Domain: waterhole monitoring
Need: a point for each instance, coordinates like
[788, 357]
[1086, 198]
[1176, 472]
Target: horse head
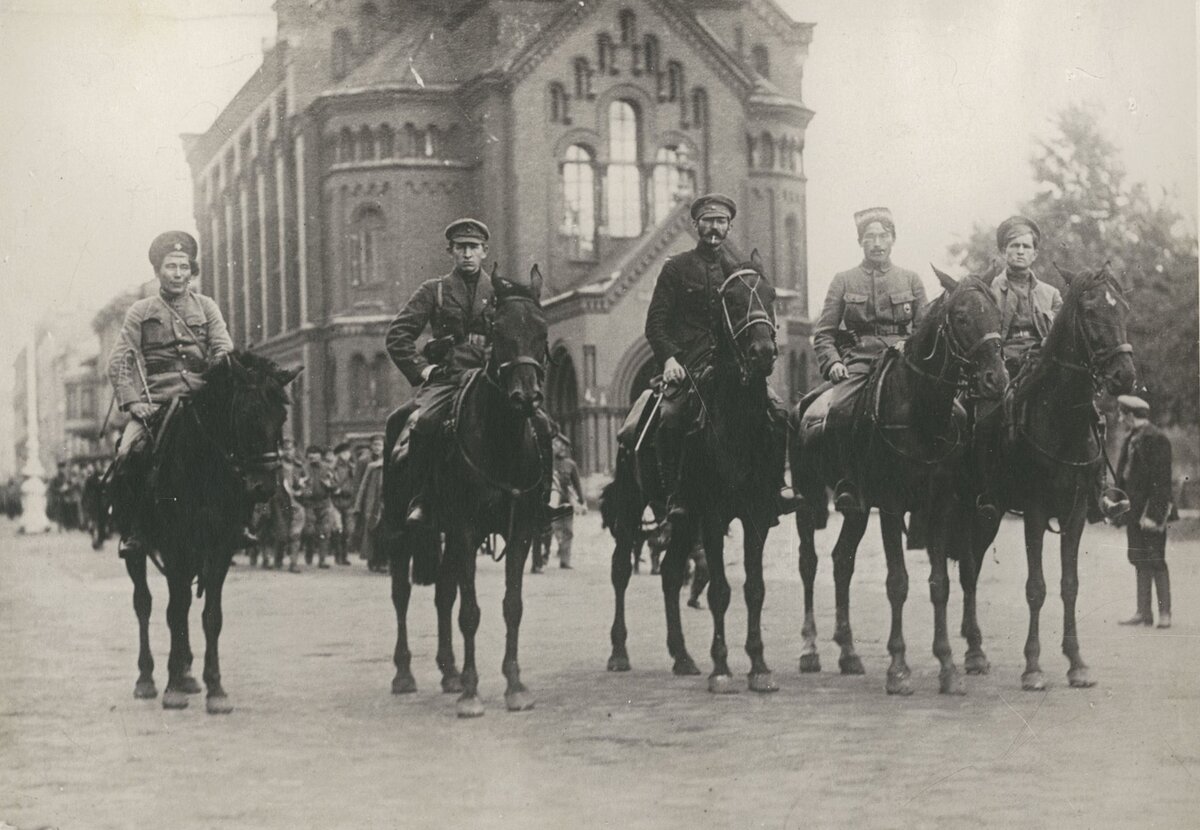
[518, 341]
[242, 409]
[748, 318]
[968, 322]
[1091, 330]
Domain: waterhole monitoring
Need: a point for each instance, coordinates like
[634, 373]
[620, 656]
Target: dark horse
[902, 433]
[1048, 452]
[95, 508]
[216, 456]
[490, 481]
[731, 471]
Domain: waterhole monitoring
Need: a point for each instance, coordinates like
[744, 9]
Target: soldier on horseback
[680, 327]
[457, 307]
[166, 343]
[867, 310]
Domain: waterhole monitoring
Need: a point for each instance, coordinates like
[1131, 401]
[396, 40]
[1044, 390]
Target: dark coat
[463, 317]
[1144, 473]
[684, 308]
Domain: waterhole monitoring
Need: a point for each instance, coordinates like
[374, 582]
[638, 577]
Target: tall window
[583, 79]
[368, 27]
[761, 59]
[579, 201]
[381, 391]
[341, 54]
[560, 112]
[791, 234]
[628, 23]
[366, 144]
[387, 141]
[606, 53]
[650, 54]
[346, 145]
[674, 81]
[674, 181]
[360, 384]
[767, 151]
[363, 241]
[624, 179]
[699, 107]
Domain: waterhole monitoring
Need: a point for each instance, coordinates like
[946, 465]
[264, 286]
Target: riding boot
[786, 499]
[420, 469]
[1143, 615]
[1162, 585]
[846, 498]
[670, 464]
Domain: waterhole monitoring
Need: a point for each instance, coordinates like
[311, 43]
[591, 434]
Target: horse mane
[220, 379]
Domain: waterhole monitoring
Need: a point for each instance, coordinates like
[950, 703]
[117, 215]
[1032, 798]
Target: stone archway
[562, 393]
[641, 378]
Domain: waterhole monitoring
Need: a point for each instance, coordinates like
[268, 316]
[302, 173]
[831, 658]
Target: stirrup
[986, 510]
[131, 545]
[845, 498]
[417, 513]
[787, 501]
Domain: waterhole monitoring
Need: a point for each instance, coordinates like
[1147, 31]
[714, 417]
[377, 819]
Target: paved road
[318, 741]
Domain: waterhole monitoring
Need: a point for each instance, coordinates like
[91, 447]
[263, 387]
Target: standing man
[568, 491]
[368, 509]
[867, 310]
[166, 343]
[1144, 473]
[680, 327]
[316, 495]
[343, 501]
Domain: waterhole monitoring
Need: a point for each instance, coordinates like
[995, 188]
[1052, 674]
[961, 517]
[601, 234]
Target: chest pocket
[855, 311]
[903, 307]
[199, 329]
[155, 332]
[693, 304]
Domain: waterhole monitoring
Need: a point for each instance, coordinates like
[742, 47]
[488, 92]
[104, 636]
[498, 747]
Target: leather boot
[845, 498]
[1162, 585]
[1143, 615]
[419, 473]
[786, 499]
[670, 459]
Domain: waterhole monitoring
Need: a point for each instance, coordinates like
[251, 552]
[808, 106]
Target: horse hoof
[469, 707]
[1080, 678]
[218, 705]
[403, 685]
[145, 690]
[618, 662]
[521, 701]
[851, 665]
[977, 664]
[685, 666]
[452, 684]
[1033, 681]
[188, 685]
[899, 684]
[763, 682]
[721, 684]
[810, 663]
[951, 683]
[174, 699]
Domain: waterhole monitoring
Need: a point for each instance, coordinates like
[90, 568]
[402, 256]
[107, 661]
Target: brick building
[577, 129]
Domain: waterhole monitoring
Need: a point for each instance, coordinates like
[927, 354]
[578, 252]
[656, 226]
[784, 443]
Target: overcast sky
[926, 107]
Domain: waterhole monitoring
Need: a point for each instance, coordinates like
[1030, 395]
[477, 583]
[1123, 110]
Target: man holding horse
[867, 310]
[680, 327]
[166, 343]
[457, 307]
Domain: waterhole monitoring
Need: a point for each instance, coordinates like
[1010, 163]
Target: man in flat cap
[1144, 473]
[867, 309]
[166, 343]
[679, 326]
[458, 309]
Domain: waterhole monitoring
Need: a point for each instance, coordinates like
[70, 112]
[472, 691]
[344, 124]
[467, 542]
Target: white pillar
[281, 207]
[33, 488]
[301, 225]
[261, 191]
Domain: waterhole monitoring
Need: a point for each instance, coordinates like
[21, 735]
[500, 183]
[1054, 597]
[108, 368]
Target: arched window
[766, 155]
[674, 181]
[699, 107]
[650, 54]
[624, 178]
[761, 59]
[366, 144]
[579, 202]
[791, 254]
[414, 141]
[341, 54]
[674, 81]
[364, 238]
[346, 145]
[559, 104]
[368, 27]
[606, 53]
[381, 386]
[583, 79]
[628, 24]
[360, 384]
[387, 141]
[433, 141]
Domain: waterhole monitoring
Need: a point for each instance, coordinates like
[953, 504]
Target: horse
[1049, 451]
[215, 456]
[731, 471]
[902, 433]
[95, 508]
[490, 481]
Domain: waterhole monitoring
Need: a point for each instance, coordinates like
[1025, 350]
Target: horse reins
[757, 314]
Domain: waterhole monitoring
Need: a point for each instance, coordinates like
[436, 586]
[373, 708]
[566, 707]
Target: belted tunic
[1027, 310]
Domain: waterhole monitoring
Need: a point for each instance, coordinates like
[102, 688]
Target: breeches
[135, 432]
[1146, 550]
[434, 403]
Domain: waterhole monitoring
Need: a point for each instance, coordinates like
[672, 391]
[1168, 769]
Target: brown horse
[1047, 447]
[490, 481]
[905, 432]
[731, 471]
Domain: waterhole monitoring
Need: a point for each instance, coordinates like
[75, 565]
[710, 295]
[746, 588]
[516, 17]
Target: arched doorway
[562, 394]
[641, 379]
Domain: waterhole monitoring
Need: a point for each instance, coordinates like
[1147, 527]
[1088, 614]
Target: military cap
[713, 204]
[467, 229]
[1015, 226]
[882, 215]
[172, 242]
[1134, 404]
[342, 447]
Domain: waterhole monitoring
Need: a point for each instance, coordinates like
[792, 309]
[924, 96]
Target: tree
[1090, 214]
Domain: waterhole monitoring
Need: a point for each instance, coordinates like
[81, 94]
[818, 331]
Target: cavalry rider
[167, 341]
[679, 326]
[1027, 305]
[458, 308]
[867, 309]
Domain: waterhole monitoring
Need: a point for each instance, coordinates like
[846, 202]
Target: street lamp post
[33, 488]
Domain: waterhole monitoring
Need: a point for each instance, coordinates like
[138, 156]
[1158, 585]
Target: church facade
[577, 130]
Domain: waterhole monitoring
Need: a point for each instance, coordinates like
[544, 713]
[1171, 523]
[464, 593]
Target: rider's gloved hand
[673, 371]
[838, 373]
[141, 410]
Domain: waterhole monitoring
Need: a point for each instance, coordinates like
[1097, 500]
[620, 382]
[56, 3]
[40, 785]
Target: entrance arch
[562, 393]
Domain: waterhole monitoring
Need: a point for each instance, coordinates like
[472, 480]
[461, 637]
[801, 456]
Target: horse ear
[756, 259]
[948, 282]
[285, 376]
[535, 282]
[1067, 276]
[498, 284]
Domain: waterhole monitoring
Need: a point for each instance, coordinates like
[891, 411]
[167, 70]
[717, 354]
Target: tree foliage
[1089, 214]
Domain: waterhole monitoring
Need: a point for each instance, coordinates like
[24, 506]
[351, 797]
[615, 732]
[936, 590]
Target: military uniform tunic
[1027, 310]
[680, 320]
[871, 308]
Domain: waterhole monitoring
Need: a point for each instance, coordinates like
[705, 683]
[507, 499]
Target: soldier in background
[315, 494]
[368, 509]
[342, 468]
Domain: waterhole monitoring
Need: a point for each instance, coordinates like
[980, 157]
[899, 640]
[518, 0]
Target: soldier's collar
[872, 268]
[708, 254]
